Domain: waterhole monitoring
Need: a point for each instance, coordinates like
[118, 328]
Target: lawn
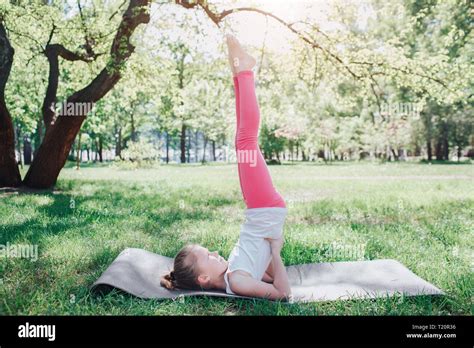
[420, 214]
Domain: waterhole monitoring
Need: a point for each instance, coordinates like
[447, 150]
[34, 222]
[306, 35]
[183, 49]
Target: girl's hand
[276, 244]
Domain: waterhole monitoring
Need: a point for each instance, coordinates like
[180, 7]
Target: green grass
[419, 214]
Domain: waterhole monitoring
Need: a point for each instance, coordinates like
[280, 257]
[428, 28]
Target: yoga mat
[138, 272]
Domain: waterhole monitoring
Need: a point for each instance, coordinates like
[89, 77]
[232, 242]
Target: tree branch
[121, 49]
[404, 71]
[63, 52]
[218, 17]
[53, 52]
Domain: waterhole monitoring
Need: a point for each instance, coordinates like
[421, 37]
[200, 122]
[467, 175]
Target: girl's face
[210, 266]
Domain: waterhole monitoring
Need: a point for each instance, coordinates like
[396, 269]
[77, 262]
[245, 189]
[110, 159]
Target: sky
[253, 28]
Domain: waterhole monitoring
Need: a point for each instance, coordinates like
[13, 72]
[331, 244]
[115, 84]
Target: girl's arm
[280, 278]
[279, 290]
[268, 276]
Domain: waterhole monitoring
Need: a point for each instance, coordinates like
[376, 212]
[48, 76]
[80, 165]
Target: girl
[255, 267]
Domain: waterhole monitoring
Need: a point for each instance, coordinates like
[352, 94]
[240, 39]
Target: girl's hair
[184, 274]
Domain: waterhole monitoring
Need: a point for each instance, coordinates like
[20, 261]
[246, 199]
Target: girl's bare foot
[239, 59]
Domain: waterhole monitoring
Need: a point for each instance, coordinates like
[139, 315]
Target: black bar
[137, 330]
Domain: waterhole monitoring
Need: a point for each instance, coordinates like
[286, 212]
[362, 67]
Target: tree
[61, 131]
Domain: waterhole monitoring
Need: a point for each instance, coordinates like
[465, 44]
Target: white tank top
[252, 253]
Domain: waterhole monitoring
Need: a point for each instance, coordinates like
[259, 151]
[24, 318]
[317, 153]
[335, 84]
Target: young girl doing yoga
[254, 267]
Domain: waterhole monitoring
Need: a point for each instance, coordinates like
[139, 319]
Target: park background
[367, 122]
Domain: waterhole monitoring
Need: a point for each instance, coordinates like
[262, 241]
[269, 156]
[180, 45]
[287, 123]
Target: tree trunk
[96, 150]
[445, 145]
[27, 150]
[429, 150]
[9, 172]
[214, 150]
[395, 154]
[133, 136]
[18, 142]
[196, 141]
[183, 143]
[118, 144]
[167, 147]
[100, 149]
[429, 133]
[79, 151]
[438, 150]
[188, 150]
[52, 154]
[204, 150]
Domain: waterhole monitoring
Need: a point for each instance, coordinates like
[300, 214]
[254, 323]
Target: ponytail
[168, 281]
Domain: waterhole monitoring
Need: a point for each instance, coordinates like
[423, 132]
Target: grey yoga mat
[138, 272]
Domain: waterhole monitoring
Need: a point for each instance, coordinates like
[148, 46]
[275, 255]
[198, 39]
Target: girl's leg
[255, 180]
[237, 112]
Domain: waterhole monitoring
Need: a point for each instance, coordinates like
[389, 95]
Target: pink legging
[255, 180]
